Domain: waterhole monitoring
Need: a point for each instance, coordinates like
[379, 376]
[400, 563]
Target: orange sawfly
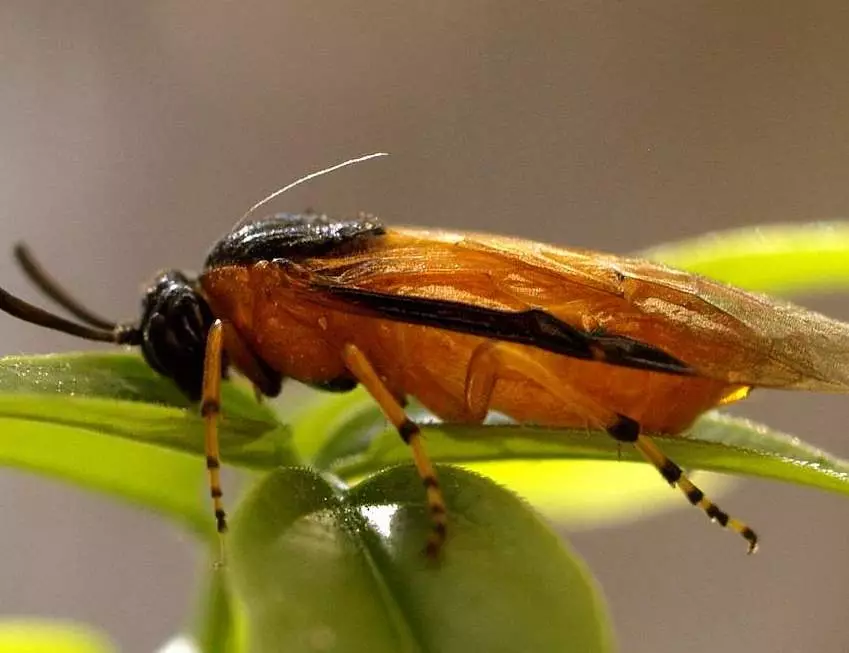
[464, 323]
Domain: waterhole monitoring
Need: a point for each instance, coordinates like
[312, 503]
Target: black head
[172, 331]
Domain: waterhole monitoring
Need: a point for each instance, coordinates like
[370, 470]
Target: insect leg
[210, 409]
[627, 430]
[409, 431]
[494, 360]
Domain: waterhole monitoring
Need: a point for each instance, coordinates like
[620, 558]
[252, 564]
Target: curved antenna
[50, 287]
[34, 315]
[312, 175]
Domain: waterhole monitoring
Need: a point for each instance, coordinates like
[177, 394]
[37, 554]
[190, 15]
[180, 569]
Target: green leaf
[588, 494]
[42, 636]
[337, 431]
[319, 568]
[119, 394]
[219, 626]
[716, 442]
[168, 482]
[55, 411]
[771, 258]
[334, 426]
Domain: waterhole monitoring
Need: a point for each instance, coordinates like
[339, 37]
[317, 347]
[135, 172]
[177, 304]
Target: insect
[465, 323]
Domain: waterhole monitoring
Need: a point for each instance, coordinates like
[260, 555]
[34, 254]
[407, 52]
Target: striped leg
[409, 431]
[494, 360]
[210, 409]
[627, 430]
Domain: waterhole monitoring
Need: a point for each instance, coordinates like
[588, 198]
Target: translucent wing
[716, 331]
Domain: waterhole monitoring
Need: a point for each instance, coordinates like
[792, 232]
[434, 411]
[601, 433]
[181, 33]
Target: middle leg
[361, 368]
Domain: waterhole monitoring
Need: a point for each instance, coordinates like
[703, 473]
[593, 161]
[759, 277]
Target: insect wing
[714, 330]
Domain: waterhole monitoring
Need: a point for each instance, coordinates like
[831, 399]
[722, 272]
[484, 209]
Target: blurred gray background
[134, 133]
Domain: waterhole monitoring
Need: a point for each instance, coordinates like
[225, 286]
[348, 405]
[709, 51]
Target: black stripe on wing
[533, 327]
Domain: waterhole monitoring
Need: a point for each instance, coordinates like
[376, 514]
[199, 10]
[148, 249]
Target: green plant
[316, 560]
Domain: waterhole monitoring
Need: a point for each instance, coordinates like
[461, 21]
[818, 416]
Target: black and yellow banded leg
[627, 430]
[210, 409]
[492, 361]
[409, 431]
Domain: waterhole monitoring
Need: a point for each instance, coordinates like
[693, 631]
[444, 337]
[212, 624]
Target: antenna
[50, 287]
[93, 327]
[312, 175]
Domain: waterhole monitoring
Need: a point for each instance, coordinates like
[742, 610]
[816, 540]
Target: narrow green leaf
[119, 376]
[167, 481]
[55, 410]
[716, 443]
[771, 258]
[335, 425]
[319, 568]
[582, 493]
[120, 395]
[42, 636]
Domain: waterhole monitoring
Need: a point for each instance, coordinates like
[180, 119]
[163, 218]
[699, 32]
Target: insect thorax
[291, 236]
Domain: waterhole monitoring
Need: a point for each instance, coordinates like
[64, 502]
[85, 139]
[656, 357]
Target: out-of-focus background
[133, 134]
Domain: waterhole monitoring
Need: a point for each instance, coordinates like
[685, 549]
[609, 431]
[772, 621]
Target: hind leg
[494, 360]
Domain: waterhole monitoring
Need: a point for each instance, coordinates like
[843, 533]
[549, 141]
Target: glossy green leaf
[42, 636]
[319, 568]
